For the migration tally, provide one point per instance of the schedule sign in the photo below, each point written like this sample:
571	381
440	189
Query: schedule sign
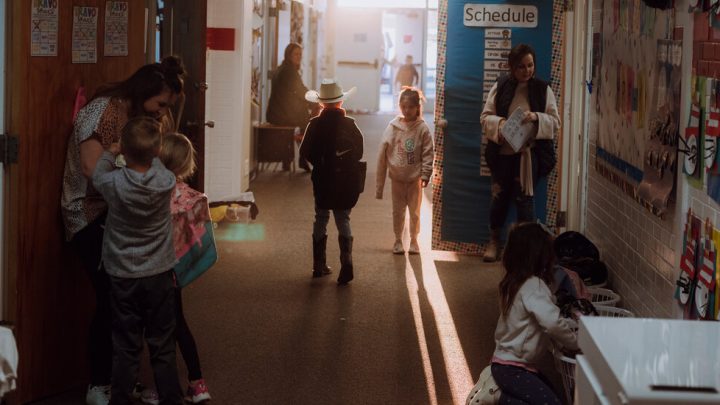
500	15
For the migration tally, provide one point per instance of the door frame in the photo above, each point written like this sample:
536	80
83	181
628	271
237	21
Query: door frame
3	129
575	148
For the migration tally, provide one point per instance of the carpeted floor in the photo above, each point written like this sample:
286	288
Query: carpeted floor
408	329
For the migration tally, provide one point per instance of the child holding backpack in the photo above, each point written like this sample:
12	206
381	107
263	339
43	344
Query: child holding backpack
178	156
528	316
406	154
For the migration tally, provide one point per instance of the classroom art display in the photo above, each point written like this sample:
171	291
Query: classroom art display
637	101
297	18
697	290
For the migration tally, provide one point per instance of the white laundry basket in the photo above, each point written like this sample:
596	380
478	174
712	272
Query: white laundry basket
603	297
613	312
566	365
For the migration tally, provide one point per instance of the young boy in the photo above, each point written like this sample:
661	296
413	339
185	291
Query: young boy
139	256
333	144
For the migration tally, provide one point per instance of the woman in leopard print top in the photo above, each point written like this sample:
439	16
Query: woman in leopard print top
150	91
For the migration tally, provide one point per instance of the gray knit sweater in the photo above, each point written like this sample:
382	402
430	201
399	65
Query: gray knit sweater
138	240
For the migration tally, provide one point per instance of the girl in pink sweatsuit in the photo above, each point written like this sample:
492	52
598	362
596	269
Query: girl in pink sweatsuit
406	155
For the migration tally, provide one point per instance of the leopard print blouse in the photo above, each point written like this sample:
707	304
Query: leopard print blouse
102	119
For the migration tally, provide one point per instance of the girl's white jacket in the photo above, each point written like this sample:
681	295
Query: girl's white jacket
406	153
522	335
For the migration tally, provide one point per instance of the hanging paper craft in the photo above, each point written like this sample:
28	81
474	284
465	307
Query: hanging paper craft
692	133
712	131
687	263
706	278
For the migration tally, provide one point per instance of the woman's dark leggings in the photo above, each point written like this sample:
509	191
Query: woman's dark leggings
186	341
520	386
505	188
88	245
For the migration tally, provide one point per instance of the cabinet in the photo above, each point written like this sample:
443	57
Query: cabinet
647	361
274	144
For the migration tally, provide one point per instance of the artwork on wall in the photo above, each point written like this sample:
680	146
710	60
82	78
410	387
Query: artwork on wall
258	7
637	101
697	289
297	18
256	72
660	162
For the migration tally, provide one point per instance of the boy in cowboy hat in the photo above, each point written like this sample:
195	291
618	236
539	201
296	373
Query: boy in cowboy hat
333	144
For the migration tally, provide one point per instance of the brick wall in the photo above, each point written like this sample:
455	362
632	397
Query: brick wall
639	248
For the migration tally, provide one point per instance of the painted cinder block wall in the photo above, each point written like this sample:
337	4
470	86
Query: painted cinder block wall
641	250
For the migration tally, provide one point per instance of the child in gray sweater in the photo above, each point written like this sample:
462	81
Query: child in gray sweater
139	256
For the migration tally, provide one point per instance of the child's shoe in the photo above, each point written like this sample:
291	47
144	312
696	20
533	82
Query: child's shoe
414	247
149	396
98	395
398	248
198	392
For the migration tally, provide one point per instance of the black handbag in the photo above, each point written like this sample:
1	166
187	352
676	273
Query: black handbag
544	156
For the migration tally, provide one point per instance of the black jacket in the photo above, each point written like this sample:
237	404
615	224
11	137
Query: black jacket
287	105
333	144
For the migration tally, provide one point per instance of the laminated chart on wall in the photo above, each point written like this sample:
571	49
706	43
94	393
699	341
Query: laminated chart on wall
478	35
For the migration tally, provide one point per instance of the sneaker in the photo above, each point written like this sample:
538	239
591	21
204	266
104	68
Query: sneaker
97	395
398	248
149	396
197	393
414	247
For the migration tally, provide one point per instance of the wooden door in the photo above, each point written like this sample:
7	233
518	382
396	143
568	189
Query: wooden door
48	296
183	33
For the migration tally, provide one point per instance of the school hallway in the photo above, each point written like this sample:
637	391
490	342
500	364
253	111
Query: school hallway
408	329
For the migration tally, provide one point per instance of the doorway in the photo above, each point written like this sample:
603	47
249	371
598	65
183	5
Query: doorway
410	39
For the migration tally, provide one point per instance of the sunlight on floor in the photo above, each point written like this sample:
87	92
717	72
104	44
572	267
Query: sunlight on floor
236	232
456	365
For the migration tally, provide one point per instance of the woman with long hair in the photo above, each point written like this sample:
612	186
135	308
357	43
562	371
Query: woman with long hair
150	91
528	317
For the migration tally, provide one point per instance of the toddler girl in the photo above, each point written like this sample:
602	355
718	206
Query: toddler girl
528	316
178	156
406	154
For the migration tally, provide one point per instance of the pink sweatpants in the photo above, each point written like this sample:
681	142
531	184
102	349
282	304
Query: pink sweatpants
406	195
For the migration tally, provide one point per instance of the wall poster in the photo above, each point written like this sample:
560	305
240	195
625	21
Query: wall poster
116	28
84	34
44	28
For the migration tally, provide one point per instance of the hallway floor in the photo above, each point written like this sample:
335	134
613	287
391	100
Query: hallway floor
408	329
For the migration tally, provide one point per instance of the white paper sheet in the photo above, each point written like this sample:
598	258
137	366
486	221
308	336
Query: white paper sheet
515	132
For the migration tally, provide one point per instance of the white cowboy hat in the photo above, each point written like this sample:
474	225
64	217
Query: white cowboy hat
330	92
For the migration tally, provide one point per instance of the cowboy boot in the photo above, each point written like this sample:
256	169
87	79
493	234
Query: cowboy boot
346	265
492	249
320	268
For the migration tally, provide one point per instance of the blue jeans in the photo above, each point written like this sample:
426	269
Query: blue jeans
521	386
322	217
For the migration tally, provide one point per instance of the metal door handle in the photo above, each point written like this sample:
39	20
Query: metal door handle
209	124
202	86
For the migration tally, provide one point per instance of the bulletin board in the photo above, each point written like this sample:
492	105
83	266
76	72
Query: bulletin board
469	61
637	100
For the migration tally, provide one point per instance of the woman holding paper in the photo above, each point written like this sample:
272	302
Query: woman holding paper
512	171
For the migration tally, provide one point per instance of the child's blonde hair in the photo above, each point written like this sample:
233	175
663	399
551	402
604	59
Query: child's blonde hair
414	95
178	155
140	140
